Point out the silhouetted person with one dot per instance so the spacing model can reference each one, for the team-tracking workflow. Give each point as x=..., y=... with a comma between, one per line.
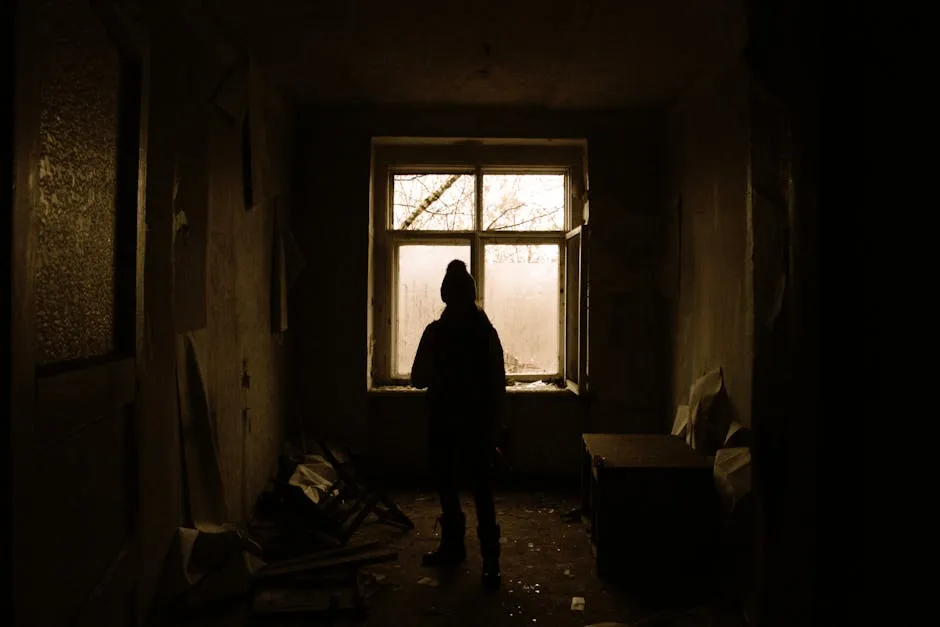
x=460, y=362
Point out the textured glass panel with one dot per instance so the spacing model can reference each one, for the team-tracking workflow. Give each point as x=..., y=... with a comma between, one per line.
x=522, y=300
x=75, y=216
x=421, y=269
x=524, y=202
x=433, y=202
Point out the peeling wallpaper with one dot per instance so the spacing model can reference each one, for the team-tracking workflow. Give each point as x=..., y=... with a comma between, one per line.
x=708, y=155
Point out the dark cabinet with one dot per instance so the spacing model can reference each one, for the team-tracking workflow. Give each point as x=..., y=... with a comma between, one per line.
x=651, y=507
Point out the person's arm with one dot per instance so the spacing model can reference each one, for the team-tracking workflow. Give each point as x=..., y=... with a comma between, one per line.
x=423, y=365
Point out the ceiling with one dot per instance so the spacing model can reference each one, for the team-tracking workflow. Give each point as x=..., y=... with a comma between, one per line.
x=566, y=55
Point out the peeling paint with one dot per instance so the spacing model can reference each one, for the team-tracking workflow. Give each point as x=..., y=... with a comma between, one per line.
x=708, y=155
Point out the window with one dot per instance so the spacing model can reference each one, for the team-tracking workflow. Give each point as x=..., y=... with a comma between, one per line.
x=514, y=213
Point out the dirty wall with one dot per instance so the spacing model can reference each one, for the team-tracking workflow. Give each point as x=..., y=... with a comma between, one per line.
x=708, y=266
x=209, y=274
x=742, y=265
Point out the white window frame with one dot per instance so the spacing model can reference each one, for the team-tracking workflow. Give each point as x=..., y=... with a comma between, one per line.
x=477, y=157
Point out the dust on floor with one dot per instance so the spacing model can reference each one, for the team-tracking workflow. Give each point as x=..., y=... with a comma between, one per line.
x=546, y=563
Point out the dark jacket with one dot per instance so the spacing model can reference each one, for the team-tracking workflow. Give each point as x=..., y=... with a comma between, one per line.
x=460, y=361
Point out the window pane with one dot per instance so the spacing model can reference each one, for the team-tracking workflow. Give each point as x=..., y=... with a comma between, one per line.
x=421, y=269
x=522, y=300
x=524, y=202
x=433, y=202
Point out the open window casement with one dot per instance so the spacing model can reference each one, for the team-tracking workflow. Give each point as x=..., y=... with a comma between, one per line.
x=576, y=301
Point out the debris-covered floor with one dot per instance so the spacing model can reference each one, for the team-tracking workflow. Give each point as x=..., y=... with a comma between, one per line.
x=547, y=563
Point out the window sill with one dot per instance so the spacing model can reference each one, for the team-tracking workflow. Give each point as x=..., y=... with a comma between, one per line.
x=524, y=389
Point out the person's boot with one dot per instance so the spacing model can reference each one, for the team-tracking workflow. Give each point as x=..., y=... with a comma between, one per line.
x=489, y=549
x=452, y=550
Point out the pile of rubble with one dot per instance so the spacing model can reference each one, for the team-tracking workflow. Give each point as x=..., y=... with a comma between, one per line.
x=295, y=556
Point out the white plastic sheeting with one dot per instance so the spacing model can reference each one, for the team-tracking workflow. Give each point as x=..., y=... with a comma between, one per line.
x=316, y=477
x=733, y=474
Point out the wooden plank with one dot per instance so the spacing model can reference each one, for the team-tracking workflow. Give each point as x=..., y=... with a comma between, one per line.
x=328, y=554
x=319, y=565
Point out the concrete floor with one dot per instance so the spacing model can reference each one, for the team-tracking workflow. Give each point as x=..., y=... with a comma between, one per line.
x=546, y=562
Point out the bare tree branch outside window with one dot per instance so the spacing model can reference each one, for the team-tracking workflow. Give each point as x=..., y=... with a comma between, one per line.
x=511, y=202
